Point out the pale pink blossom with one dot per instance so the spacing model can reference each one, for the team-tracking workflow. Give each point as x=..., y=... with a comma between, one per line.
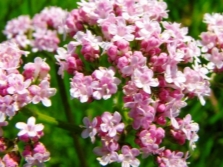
x=17, y=26
x=17, y=84
x=147, y=28
x=74, y=22
x=91, y=128
x=111, y=123
x=95, y=11
x=11, y=159
x=42, y=92
x=68, y=60
x=21, y=40
x=88, y=39
x=105, y=83
x=45, y=40
x=208, y=40
x=150, y=47
x=215, y=58
x=81, y=87
x=136, y=60
x=10, y=56
x=197, y=82
x=128, y=156
x=120, y=30
x=141, y=110
x=174, y=33
x=214, y=21
x=185, y=129
x=31, y=128
x=107, y=156
x=157, y=10
x=142, y=116
x=35, y=155
x=143, y=78
x=174, y=76
x=149, y=140
x=37, y=70
x=8, y=105
x=172, y=159
x=52, y=17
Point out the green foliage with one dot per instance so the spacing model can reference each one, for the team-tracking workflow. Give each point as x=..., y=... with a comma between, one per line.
x=60, y=143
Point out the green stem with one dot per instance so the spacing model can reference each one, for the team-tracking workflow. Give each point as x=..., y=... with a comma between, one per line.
x=50, y=120
x=68, y=112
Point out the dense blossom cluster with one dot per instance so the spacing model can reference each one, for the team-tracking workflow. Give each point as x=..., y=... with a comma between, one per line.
x=115, y=45
x=40, y=32
x=161, y=68
x=34, y=152
x=19, y=89
x=211, y=41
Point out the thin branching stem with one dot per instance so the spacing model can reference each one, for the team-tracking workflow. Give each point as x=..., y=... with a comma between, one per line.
x=68, y=113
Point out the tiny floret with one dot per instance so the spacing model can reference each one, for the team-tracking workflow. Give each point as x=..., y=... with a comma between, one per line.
x=30, y=129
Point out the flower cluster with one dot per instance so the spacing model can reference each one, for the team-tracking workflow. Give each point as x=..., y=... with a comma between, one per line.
x=19, y=89
x=159, y=65
x=40, y=32
x=34, y=151
x=211, y=41
x=109, y=128
x=115, y=45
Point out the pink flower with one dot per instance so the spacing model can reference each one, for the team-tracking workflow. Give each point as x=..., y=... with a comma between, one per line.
x=10, y=56
x=21, y=40
x=147, y=28
x=35, y=155
x=88, y=39
x=74, y=22
x=52, y=17
x=68, y=60
x=208, y=40
x=185, y=129
x=150, y=139
x=8, y=106
x=136, y=60
x=31, y=129
x=173, y=75
x=128, y=157
x=120, y=30
x=143, y=78
x=173, y=32
x=45, y=40
x=81, y=87
x=16, y=84
x=17, y=26
x=111, y=123
x=172, y=159
x=197, y=83
x=96, y=11
x=214, y=21
x=155, y=9
x=104, y=84
x=90, y=44
x=42, y=93
x=39, y=69
x=215, y=57
x=107, y=156
x=11, y=160
x=91, y=128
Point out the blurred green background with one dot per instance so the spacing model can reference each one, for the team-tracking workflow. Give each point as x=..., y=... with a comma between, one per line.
x=61, y=143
